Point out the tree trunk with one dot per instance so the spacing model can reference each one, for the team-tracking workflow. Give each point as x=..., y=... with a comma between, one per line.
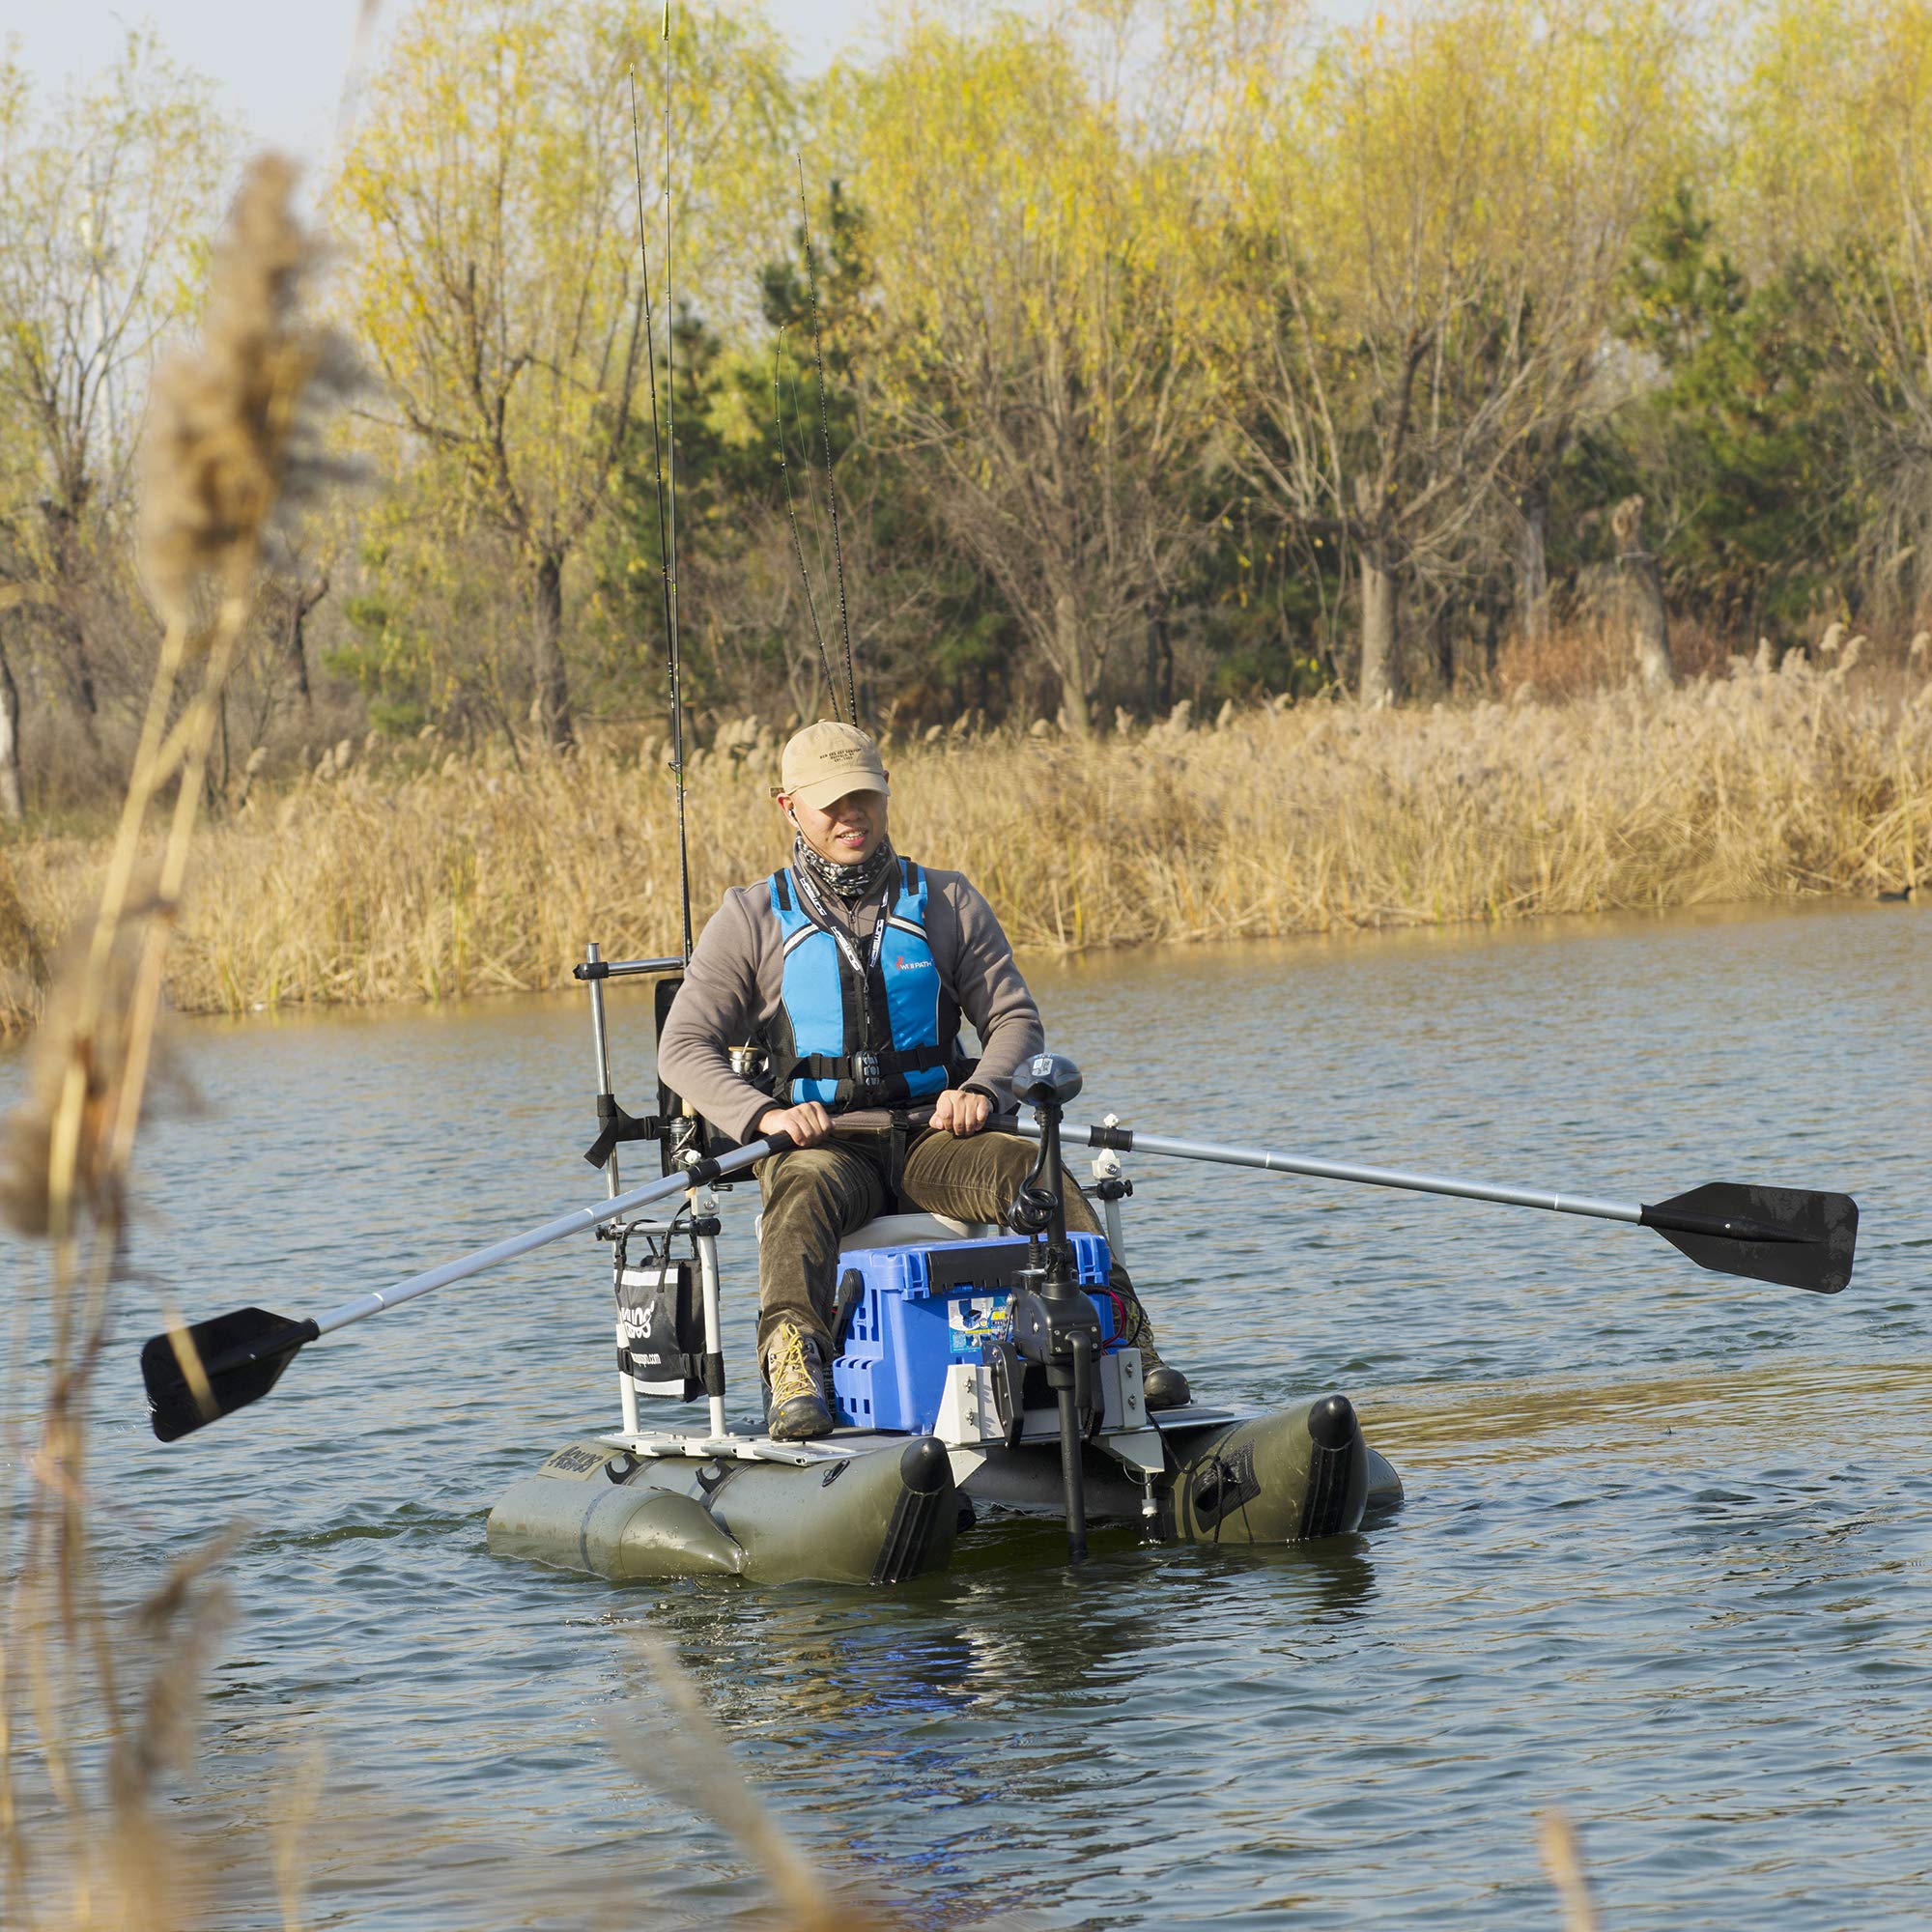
x=1381, y=665
x=83, y=681
x=77, y=667
x=552, y=709
x=11, y=803
x=1442, y=636
x=1643, y=597
x=1650, y=633
x=1072, y=661
x=1159, y=665
x=1532, y=567
x=62, y=518
x=298, y=610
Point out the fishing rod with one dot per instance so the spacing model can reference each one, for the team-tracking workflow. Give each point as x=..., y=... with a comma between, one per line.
x=195, y=1375
x=791, y=515
x=825, y=435
x=1789, y=1237
x=670, y=471
x=667, y=492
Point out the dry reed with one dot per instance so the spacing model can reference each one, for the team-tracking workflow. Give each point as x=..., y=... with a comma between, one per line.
x=1563, y=1858
x=409, y=879
x=679, y=1750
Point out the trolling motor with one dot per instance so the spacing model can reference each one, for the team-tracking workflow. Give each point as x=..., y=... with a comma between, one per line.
x=1054, y=1323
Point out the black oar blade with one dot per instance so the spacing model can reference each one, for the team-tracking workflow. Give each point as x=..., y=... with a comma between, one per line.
x=1787, y=1235
x=239, y=1357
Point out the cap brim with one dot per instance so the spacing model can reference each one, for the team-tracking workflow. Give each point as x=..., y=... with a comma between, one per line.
x=823, y=791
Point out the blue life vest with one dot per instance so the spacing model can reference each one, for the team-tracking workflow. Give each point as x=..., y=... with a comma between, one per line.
x=861, y=1027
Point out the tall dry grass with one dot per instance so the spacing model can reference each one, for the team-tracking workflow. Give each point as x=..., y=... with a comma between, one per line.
x=408, y=879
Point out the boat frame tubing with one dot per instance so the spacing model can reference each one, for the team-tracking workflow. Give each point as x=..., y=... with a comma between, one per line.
x=379, y=1300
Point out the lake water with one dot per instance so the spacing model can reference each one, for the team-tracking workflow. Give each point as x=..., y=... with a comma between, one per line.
x=1663, y=1562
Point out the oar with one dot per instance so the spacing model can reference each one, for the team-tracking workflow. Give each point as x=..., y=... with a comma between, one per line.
x=1787, y=1235
x=218, y=1366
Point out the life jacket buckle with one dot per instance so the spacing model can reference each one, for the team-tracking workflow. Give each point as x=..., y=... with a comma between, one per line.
x=865, y=1070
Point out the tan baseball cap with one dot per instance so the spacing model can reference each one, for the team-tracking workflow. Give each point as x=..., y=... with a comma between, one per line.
x=826, y=760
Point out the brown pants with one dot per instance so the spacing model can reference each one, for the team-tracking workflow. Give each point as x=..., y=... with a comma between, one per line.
x=813, y=1195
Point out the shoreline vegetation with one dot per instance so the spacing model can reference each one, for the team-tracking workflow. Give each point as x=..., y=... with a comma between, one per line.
x=418, y=871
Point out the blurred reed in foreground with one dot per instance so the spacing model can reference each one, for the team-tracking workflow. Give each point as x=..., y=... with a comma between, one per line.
x=408, y=878
x=86, y=1756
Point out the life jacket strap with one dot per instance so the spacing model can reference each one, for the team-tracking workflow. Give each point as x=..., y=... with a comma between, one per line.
x=863, y=1070
x=895, y=1159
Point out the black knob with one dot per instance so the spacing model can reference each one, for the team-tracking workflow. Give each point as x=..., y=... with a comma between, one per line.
x=1048, y=1080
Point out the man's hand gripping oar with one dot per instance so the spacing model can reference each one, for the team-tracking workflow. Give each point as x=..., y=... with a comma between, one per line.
x=197, y=1373
x=1787, y=1235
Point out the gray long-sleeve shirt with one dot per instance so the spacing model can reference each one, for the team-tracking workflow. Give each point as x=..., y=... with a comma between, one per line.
x=731, y=992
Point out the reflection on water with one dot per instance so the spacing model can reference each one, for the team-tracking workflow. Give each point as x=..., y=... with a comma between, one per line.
x=1664, y=1560
x=1813, y=1404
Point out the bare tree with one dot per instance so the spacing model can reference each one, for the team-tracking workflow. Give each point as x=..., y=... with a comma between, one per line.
x=100, y=196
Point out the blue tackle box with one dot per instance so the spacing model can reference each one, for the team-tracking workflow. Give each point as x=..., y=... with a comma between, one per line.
x=921, y=1309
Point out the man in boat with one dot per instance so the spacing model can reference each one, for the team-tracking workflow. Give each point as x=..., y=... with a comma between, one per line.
x=852, y=967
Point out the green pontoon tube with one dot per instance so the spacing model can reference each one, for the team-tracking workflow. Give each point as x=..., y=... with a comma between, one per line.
x=978, y=1371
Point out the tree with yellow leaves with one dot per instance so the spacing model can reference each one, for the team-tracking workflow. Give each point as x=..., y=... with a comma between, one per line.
x=1833, y=184
x=1037, y=361
x=1435, y=213
x=490, y=200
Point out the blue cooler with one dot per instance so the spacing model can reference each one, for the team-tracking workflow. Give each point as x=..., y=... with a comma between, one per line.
x=921, y=1309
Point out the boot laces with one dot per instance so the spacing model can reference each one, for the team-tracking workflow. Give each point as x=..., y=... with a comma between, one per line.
x=790, y=1370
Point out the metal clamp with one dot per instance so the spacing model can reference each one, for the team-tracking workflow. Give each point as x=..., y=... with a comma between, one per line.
x=1009, y=1380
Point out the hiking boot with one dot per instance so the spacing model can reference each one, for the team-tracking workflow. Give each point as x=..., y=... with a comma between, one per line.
x=795, y=1404
x=1162, y=1385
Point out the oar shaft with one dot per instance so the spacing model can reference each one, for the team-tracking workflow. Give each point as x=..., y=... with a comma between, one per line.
x=1127, y=1140
x=574, y=1222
